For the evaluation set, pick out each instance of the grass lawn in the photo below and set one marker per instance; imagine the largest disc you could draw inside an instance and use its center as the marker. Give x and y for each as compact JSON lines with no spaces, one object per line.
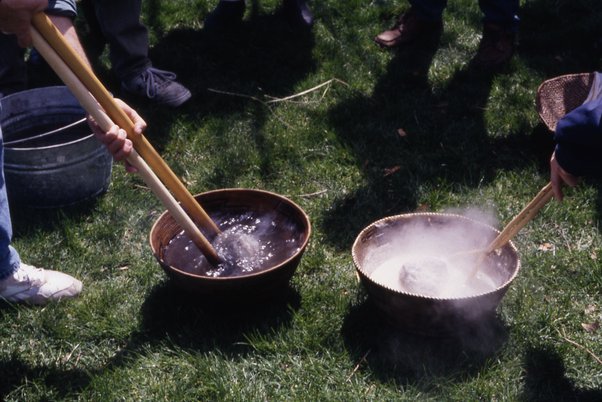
{"x":391,"y":132}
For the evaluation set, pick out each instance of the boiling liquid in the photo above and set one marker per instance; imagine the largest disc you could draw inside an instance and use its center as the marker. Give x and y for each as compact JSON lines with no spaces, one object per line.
{"x":431,"y":276}
{"x":249,"y":242}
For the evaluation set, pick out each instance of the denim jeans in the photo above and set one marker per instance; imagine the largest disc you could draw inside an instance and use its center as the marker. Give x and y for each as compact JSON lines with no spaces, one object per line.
{"x":503,"y":12}
{"x":9,"y":258}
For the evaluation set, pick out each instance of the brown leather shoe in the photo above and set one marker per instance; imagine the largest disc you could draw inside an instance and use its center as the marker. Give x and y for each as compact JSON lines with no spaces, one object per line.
{"x":496,"y":47}
{"x":409,"y":28}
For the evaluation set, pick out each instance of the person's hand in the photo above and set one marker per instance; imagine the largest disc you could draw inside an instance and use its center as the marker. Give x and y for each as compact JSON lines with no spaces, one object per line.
{"x":116,"y":139}
{"x":560,"y":177}
{"x":15,"y":18}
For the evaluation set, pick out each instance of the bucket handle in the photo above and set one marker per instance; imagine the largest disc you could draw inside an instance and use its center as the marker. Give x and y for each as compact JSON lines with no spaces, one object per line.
{"x":46,"y":134}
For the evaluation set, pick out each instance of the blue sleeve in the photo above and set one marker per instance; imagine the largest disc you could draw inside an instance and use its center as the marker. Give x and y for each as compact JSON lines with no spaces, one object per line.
{"x":65,"y":8}
{"x":579,"y":140}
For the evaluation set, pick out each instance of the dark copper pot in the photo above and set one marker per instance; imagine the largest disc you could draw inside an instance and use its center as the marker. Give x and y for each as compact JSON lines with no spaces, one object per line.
{"x":235,"y":201}
{"x":424,"y":314}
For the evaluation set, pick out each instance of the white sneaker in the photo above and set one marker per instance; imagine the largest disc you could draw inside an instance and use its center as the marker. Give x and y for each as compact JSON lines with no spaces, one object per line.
{"x":38,"y":286}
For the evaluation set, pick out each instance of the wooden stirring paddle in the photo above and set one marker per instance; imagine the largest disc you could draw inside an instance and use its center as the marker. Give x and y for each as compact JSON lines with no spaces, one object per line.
{"x":90,"y":104}
{"x":58,"y":43}
{"x":516,"y":224}
{"x":512,"y":228}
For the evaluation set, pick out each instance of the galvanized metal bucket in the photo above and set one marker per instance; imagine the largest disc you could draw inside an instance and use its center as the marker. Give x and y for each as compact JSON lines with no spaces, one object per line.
{"x":51,"y":157}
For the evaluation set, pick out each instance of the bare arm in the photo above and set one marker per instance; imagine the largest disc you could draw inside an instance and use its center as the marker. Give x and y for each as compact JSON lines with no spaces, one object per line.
{"x":66,"y":27}
{"x":560,"y":177}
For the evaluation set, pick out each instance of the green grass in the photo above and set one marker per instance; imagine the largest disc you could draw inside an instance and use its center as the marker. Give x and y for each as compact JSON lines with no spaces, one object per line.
{"x":473,"y":141}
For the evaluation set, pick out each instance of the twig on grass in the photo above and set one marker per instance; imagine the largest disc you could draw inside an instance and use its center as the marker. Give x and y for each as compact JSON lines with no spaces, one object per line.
{"x":264,"y":103}
{"x":68,"y":357}
{"x":327,"y":84}
{"x":357,"y":366}
{"x":217,"y":91}
{"x":309,"y":195}
{"x":273,"y":99}
{"x":563,"y":336}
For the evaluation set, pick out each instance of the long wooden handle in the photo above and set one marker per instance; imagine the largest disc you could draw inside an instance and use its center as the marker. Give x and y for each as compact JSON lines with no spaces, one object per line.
{"x":528,"y":213}
{"x":54,"y":38}
{"x":90,"y":104}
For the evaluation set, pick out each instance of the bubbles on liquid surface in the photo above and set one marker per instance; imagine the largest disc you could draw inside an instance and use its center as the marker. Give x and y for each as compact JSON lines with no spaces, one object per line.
{"x":249,"y":242}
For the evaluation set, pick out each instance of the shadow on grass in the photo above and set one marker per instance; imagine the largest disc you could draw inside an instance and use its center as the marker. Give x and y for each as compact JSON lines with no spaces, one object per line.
{"x":26,"y":219}
{"x":554,"y":44}
{"x":546,"y":379}
{"x":409,"y":358}
{"x":561,"y":37}
{"x":370,"y":126}
{"x":406,"y":136}
{"x":231,"y":73}
{"x":227,"y":71}
{"x":200,"y":323}
{"x":179,"y":318}
{"x":15,"y":372}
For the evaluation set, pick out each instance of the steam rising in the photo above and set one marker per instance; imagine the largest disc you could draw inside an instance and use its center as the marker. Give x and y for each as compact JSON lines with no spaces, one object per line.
{"x":427,"y":259}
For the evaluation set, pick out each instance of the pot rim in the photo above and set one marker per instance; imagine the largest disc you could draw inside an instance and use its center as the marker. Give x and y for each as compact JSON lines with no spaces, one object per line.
{"x":363,"y":275}
{"x":299,"y":252}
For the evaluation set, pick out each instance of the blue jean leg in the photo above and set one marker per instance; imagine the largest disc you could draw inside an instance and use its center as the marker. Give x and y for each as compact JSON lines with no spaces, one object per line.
{"x":9,"y":258}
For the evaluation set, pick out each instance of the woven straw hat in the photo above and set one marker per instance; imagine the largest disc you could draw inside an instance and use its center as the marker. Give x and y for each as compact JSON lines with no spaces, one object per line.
{"x":558,"y":96}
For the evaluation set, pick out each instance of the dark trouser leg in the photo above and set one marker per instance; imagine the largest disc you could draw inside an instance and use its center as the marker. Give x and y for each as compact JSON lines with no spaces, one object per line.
{"x":500,"y":24}
{"x":13,"y":73}
{"x":429,"y":9}
{"x":119,"y":22}
{"x":500,"y":12}
{"x":94,"y":42}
